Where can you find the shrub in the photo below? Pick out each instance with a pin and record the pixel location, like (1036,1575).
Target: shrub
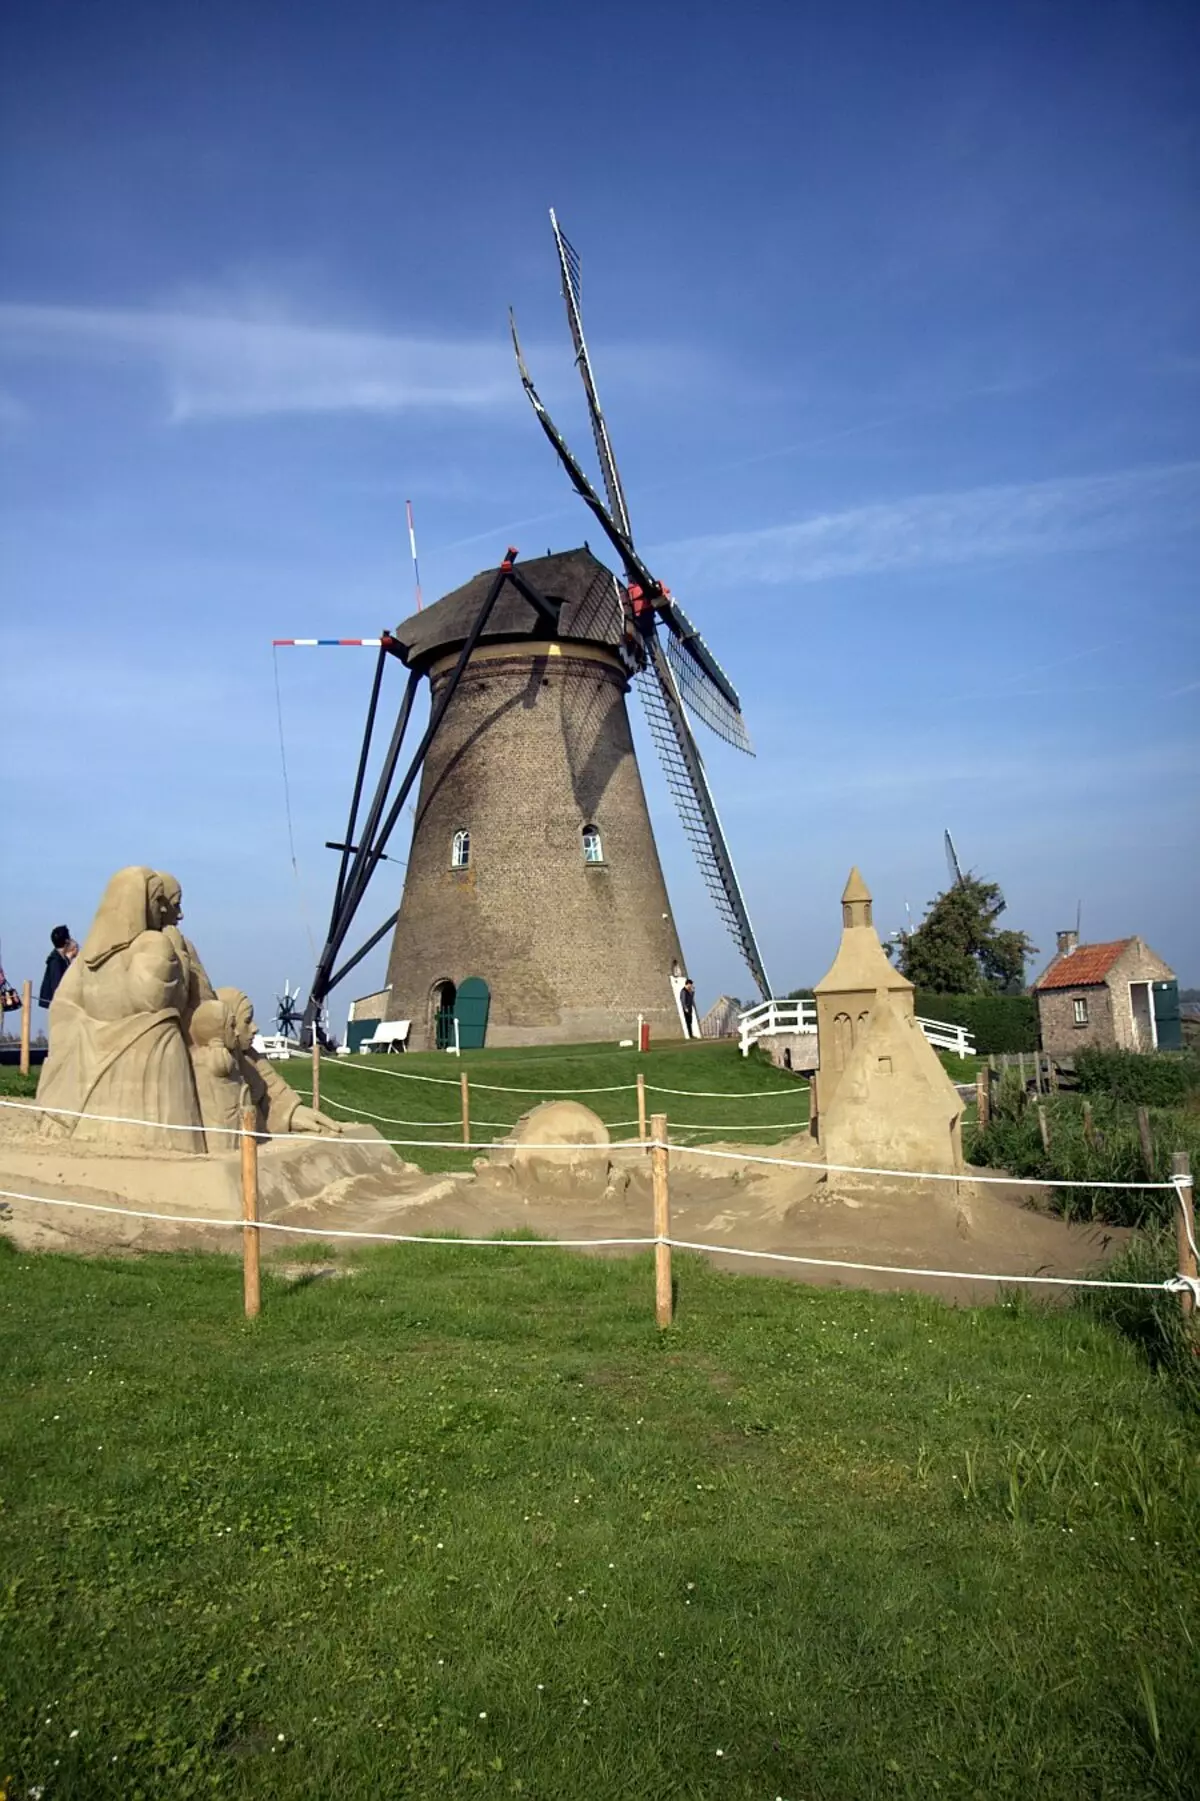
(997,1022)
(1160,1080)
(1107,1151)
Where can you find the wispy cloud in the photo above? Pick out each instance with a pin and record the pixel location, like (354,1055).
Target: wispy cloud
(13,414)
(215,365)
(256,358)
(960,526)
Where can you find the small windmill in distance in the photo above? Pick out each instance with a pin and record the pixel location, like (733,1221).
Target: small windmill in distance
(957,877)
(287,1017)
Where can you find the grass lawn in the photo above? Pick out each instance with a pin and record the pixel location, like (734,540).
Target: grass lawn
(467,1524)
(723,1095)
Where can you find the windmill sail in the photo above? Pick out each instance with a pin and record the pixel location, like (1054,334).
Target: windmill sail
(952,863)
(705,686)
(684,770)
(568,260)
(686,671)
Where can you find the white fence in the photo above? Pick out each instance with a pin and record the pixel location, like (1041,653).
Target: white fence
(771,1018)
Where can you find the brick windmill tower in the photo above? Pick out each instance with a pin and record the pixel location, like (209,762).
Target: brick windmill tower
(533,871)
(534,907)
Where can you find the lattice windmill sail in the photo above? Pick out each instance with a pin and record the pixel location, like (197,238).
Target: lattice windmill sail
(287,1012)
(673,678)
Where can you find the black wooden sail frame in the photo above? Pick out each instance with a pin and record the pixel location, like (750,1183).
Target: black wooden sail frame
(362,855)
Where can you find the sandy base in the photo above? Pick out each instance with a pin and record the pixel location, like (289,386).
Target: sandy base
(324,1184)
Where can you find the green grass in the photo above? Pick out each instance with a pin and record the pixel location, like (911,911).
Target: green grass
(755,1101)
(467,1524)
(16,1086)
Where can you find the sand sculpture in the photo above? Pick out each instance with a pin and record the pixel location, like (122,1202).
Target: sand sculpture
(583,1173)
(231,1077)
(883,1099)
(138,1033)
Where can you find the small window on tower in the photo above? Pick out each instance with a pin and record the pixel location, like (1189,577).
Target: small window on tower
(1081,1012)
(593,850)
(460,850)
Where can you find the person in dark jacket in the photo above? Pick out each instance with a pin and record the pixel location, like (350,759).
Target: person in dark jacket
(57,963)
(687,1000)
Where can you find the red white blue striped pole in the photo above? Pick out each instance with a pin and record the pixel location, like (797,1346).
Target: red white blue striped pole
(362,643)
(412,542)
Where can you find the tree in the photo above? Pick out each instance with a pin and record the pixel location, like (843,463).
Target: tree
(959,949)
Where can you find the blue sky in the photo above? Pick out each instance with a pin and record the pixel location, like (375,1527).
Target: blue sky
(894,315)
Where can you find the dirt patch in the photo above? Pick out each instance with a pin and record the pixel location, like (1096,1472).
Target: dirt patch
(736,1212)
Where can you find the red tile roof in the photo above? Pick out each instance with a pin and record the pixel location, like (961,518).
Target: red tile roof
(1086,967)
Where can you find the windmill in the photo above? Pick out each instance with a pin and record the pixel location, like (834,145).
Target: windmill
(681,670)
(957,877)
(534,906)
(287,1012)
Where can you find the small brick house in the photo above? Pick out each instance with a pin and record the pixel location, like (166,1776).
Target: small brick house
(1116,996)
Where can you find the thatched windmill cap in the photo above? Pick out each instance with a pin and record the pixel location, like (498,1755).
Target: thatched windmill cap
(588,593)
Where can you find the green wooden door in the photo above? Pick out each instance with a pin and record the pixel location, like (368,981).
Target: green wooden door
(471,1011)
(1167,1023)
(357,1030)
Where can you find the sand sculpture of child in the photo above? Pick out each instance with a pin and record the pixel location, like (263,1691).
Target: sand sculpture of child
(231,1076)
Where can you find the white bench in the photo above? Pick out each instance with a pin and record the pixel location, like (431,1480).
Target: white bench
(389,1035)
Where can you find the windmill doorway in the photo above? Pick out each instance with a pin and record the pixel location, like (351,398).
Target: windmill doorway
(442,997)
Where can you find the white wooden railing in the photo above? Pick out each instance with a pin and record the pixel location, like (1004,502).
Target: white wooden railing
(945,1037)
(770,1018)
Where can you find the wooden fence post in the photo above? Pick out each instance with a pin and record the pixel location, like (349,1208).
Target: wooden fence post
(1185,1223)
(1143,1125)
(641,1094)
(250,1233)
(26,1011)
(983,1101)
(1089,1126)
(464,1084)
(1043,1126)
(662,1221)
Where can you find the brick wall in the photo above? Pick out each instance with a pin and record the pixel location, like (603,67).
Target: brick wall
(1110,1009)
(1061,1037)
(1137,963)
(534,747)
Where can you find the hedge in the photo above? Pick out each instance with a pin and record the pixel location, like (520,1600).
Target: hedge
(997,1022)
(1162,1080)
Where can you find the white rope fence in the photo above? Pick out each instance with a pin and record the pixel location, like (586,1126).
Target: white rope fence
(1171,1285)
(560,1093)
(1183,1283)
(630,1144)
(390,1119)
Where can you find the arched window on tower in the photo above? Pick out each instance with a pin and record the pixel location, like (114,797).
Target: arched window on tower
(460,850)
(593,850)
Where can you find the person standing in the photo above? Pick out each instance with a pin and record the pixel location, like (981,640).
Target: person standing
(62,955)
(687,1000)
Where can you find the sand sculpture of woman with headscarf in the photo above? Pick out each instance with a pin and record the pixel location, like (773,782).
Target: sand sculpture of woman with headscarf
(117,1044)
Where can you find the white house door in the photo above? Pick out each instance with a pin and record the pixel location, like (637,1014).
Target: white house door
(1144,1035)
